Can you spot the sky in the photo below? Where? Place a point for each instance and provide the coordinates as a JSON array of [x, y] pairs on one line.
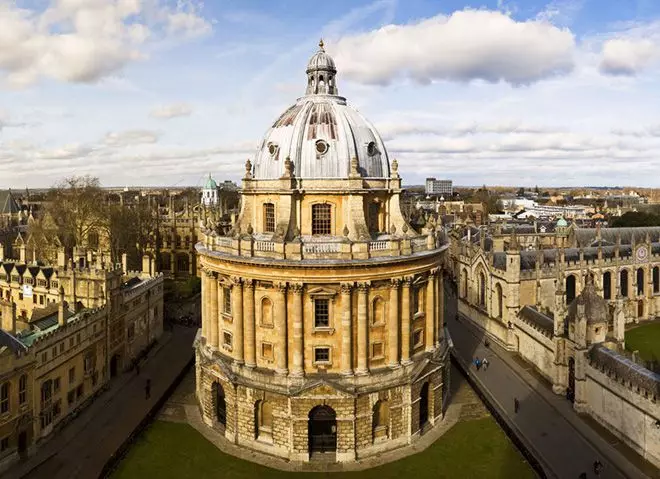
[[496, 92]]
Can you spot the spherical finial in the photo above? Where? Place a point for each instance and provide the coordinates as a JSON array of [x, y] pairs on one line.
[[321, 43]]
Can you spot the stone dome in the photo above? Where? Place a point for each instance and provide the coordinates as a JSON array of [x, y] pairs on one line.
[[562, 223], [210, 183], [320, 134], [596, 308]]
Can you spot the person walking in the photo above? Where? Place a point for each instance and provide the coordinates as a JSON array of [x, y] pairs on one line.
[[598, 467], [486, 342], [478, 364], [485, 363], [516, 405], [147, 389]]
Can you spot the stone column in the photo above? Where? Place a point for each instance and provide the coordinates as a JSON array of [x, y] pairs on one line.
[[280, 327], [362, 331], [429, 328], [297, 313], [393, 324], [237, 315], [205, 309], [249, 323], [440, 291], [213, 307], [405, 321], [346, 330]]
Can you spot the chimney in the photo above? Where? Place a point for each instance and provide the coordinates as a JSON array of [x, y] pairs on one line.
[[61, 320], [124, 263], [146, 264], [8, 310]]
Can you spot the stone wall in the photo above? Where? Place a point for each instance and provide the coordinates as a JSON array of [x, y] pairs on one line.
[[631, 413], [536, 348]]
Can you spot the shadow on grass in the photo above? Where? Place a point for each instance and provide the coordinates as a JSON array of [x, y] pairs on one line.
[[471, 449]]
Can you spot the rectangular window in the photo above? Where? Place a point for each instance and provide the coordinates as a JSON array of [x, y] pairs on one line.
[[22, 389], [57, 408], [377, 350], [321, 219], [418, 338], [4, 444], [226, 300], [71, 397], [80, 391], [321, 313], [72, 375], [269, 218], [321, 355], [44, 356], [267, 351], [54, 351], [226, 339], [56, 384], [131, 332], [4, 398]]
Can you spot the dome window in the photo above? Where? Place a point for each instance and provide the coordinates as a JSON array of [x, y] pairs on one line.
[[371, 149], [272, 149], [322, 147]]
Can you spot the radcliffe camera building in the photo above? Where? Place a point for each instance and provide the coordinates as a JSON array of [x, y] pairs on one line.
[[322, 325]]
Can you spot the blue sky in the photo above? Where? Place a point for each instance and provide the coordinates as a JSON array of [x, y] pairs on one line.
[[159, 92]]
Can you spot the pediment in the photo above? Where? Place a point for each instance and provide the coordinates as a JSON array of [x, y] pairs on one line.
[[321, 291], [323, 387]]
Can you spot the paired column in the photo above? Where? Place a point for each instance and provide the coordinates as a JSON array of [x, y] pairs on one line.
[[212, 283], [205, 309], [248, 323], [237, 315], [280, 326], [405, 321], [297, 313], [393, 324], [346, 330], [440, 288], [429, 328], [362, 331]]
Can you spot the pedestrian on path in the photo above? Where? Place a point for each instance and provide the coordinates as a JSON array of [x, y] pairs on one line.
[[516, 405], [147, 389], [478, 363], [485, 363], [598, 466], [486, 343]]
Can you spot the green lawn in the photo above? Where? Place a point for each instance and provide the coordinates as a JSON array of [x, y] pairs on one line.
[[471, 449], [646, 340]]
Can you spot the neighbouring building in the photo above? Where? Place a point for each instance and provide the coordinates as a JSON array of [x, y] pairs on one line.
[[439, 187], [66, 331], [322, 314]]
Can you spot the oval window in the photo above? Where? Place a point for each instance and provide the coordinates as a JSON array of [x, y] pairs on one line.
[[272, 148], [371, 148], [321, 147]]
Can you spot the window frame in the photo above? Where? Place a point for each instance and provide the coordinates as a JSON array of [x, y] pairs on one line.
[[326, 362], [5, 397], [269, 220], [316, 301], [321, 219]]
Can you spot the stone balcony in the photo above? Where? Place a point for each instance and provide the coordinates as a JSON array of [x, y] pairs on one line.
[[319, 248]]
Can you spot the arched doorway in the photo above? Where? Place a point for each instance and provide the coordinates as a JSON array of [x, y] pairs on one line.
[[114, 365], [424, 405], [570, 288], [220, 404], [322, 430], [571, 379], [607, 285], [640, 308]]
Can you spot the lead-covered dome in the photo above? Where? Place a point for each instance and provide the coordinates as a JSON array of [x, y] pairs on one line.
[[320, 133]]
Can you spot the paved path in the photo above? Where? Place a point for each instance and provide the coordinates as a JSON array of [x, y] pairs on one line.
[[564, 443], [83, 447]]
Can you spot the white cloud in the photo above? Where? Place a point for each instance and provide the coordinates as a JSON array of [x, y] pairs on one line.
[[468, 45], [626, 56], [86, 40], [130, 138], [166, 112]]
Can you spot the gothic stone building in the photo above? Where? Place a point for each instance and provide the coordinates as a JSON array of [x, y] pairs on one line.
[[322, 330]]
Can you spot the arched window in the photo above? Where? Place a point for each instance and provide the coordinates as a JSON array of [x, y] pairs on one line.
[[93, 239], [4, 397], [321, 219], [623, 277], [570, 288], [220, 403], [378, 311], [656, 280], [374, 217], [640, 281], [269, 218], [182, 263], [498, 294], [482, 289], [381, 420], [263, 420], [266, 312], [607, 285]]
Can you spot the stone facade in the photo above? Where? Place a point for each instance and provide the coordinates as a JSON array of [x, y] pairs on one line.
[[322, 309]]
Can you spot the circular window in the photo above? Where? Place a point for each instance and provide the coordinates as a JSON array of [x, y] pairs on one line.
[[321, 147], [272, 148], [371, 149]]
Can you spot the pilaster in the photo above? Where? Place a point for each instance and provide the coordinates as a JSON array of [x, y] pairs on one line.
[[346, 330], [362, 332], [237, 314], [393, 324], [429, 328], [249, 323], [405, 321], [281, 327], [297, 313], [213, 285]]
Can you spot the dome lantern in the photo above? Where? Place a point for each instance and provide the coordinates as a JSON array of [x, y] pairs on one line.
[[321, 73]]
